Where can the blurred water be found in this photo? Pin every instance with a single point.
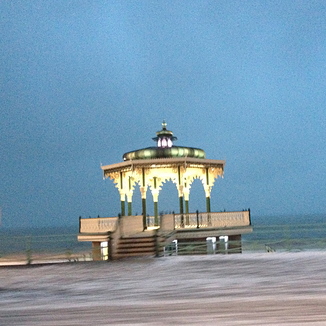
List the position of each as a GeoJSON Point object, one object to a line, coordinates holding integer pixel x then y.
{"type": "Point", "coordinates": [255, 289]}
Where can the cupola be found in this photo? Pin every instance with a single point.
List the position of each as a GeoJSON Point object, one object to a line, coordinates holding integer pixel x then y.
{"type": "Point", "coordinates": [164, 138]}
{"type": "Point", "coordinates": [164, 149]}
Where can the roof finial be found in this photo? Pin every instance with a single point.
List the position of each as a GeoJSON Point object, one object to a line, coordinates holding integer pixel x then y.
{"type": "Point", "coordinates": [164, 124]}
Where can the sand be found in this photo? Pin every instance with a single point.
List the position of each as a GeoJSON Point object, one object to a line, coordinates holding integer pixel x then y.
{"type": "Point", "coordinates": [242, 289]}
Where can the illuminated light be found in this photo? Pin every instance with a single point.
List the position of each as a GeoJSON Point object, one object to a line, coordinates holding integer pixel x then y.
{"type": "Point", "coordinates": [104, 250]}
{"type": "Point", "coordinates": [211, 241]}
{"type": "Point", "coordinates": [147, 153]}
{"type": "Point", "coordinates": [225, 239]}
{"type": "Point", "coordinates": [152, 228]}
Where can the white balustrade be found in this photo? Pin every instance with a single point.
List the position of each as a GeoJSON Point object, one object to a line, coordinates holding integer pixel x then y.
{"type": "Point", "coordinates": [98, 225]}
{"type": "Point", "coordinates": [216, 220]}
{"type": "Point", "coordinates": [185, 221]}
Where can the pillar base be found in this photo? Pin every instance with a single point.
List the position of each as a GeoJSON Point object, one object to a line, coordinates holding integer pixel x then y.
{"type": "Point", "coordinates": [143, 201]}
{"type": "Point", "coordinates": [123, 209]}
{"type": "Point", "coordinates": [129, 208]}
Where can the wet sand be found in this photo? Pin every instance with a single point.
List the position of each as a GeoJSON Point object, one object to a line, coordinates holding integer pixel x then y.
{"type": "Point", "coordinates": [247, 289]}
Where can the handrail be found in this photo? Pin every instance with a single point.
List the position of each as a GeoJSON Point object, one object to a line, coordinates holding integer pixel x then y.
{"type": "Point", "coordinates": [214, 219]}
{"type": "Point", "coordinates": [98, 224]}
{"type": "Point", "coordinates": [162, 240]}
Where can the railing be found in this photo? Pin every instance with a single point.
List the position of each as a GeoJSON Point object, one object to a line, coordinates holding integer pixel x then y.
{"type": "Point", "coordinates": [202, 248]}
{"type": "Point", "coordinates": [178, 221]}
{"type": "Point", "coordinates": [150, 221]}
{"type": "Point", "coordinates": [165, 244]}
{"type": "Point", "coordinates": [98, 224]}
{"type": "Point", "coordinates": [35, 249]}
{"type": "Point", "coordinates": [212, 220]}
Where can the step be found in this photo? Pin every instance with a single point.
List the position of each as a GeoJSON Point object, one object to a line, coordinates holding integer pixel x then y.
{"type": "Point", "coordinates": [136, 247]}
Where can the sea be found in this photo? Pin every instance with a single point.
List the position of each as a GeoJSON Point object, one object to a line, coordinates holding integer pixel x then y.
{"type": "Point", "coordinates": [47, 240]}
{"type": "Point", "coordinates": [287, 233]}
{"type": "Point", "coordinates": [270, 233]}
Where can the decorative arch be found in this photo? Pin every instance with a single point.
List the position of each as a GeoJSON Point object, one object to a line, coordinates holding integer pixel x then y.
{"type": "Point", "coordinates": [152, 174]}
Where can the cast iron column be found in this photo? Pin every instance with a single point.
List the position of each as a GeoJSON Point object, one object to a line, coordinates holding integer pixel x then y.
{"type": "Point", "coordinates": [143, 200]}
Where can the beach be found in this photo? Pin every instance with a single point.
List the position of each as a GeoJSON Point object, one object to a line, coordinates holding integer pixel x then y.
{"type": "Point", "coordinates": [240, 289]}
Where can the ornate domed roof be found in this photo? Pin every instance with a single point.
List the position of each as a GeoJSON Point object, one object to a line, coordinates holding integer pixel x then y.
{"type": "Point", "coordinates": [164, 149]}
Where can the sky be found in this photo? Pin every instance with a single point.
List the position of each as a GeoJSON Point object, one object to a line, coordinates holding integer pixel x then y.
{"type": "Point", "coordinates": [83, 82]}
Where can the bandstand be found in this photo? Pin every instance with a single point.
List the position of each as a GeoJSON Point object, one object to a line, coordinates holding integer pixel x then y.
{"type": "Point", "coordinates": [149, 168]}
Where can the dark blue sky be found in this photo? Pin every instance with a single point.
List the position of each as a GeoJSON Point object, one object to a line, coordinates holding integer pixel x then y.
{"type": "Point", "coordinates": [82, 82]}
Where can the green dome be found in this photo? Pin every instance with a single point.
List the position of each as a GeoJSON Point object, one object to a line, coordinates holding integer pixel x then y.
{"type": "Point", "coordinates": [167, 152]}
{"type": "Point", "coordinates": [164, 149]}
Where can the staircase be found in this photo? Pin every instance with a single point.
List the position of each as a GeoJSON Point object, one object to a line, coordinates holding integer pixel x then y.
{"type": "Point", "coordinates": [136, 246]}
